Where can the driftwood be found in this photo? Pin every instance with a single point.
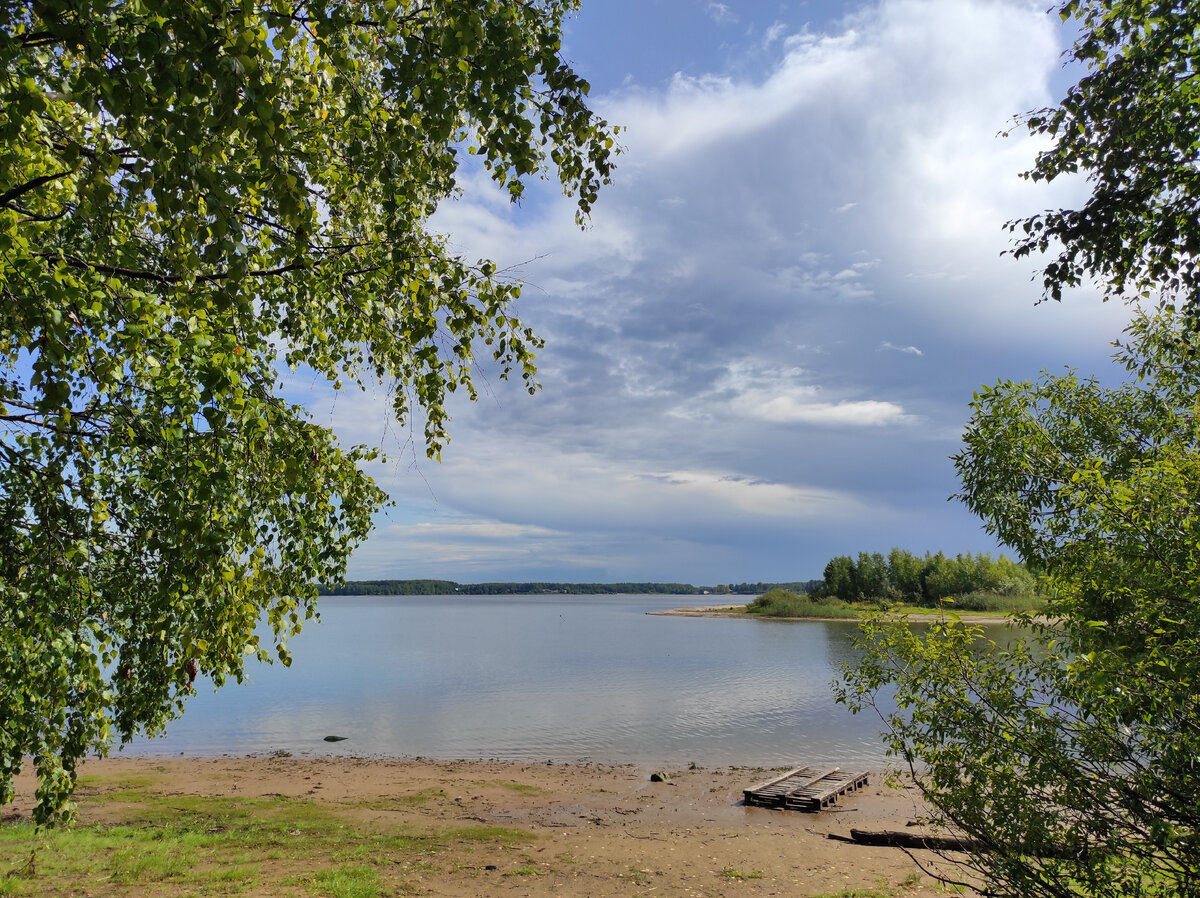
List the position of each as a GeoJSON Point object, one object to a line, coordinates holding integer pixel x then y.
{"type": "Point", "coordinates": [898, 839]}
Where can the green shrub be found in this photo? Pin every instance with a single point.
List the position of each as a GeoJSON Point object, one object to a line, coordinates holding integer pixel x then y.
{"type": "Point", "coordinates": [784, 603]}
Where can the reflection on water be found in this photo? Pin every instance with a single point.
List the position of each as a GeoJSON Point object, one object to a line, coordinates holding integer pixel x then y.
{"type": "Point", "coordinates": [544, 678]}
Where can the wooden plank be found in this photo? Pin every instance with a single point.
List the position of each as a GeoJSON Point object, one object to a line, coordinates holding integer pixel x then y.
{"type": "Point", "coordinates": [850, 783]}
{"type": "Point", "coordinates": [897, 839]}
{"type": "Point", "coordinates": [771, 792]}
{"type": "Point", "coordinates": [820, 795]}
{"type": "Point", "coordinates": [812, 780]}
{"type": "Point", "coordinates": [778, 779]}
{"type": "Point", "coordinates": [805, 789]}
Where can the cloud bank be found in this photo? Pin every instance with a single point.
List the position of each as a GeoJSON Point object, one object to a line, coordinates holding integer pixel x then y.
{"type": "Point", "coordinates": [761, 352]}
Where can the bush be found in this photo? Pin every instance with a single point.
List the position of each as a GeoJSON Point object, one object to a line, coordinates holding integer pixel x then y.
{"type": "Point", "coordinates": [784, 603]}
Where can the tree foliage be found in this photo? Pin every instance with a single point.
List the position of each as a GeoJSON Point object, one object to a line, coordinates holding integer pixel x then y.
{"type": "Point", "coordinates": [1074, 754]}
{"type": "Point", "coordinates": [1132, 124]}
{"type": "Point", "coordinates": [194, 197]}
{"type": "Point", "coordinates": [967, 579]}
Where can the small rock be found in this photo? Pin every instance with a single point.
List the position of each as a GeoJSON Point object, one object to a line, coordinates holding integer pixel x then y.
{"type": "Point", "coordinates": [336, 738]}
{"type": "Point", "coordinates": [659, 777]}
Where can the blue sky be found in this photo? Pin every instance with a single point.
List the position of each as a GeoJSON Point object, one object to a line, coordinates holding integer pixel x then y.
{"type": "Point", "coordinates": [761, 352]}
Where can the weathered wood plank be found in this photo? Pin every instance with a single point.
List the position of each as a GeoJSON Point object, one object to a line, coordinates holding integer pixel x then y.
{"type": "Point", "coordinates": [804, 789]}
{"type": "Point", "coordinates": [897, 839]}
{"type": "Point", "coordinates": [778, 779]}
{"type": "Point", "coordinates": [812, 780]}
{"type": "Point", "coordinates": [849, 783]}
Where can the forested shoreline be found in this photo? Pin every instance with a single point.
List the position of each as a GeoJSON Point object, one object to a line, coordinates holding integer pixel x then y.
{"type": "Point", "coordinates": [900, 576]}
{"type": "Point", "coordinates": [972, 581]}
{"type": "Point", "coordinates": [449, 587]}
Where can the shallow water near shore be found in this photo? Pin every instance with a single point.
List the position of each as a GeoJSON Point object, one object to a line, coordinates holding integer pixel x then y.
{"type": "Point", "coordinates": [560, 678]}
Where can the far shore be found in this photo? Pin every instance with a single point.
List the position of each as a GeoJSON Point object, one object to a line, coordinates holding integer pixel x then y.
{"type": "Point", "coordinates": [740, 611]}
{"type": "Point", "coordinates": [499, 828]}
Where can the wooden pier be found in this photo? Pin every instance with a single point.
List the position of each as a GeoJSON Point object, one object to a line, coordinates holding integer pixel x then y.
{"type": "Point", "coordinates": [805, 789]}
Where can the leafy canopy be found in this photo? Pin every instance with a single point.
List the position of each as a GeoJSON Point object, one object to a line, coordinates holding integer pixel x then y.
{"type": "Point", "coordinates": [970, 581]}
{"type": "Point", "coordinates": [193, 196]}
{"type": "Point", "coordinates": [1073, 754]}
{"type": "Point", "coordinates": [1132, 125]}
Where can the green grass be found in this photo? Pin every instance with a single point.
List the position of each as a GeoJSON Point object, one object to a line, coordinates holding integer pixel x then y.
{"type": "Point", "coordinates": [978, 603]}
{"type": "Point", "coordinates": [992, 603]}
{"type": "Point", "coordinates": [734, 873]}
{"type": "Point", "coordinates": [186, 845]}
{"type": "Point", "coordinates": [493, 835]}
{"type": "Point", "coordinates": [528, 870]}
{"type": "Point", "coordinates": [417, 799]}
{"type": "Point", "coordinates": [793, 606]}
{"type": "Point", "coordinates": [358, 881]}
{"type": "Point", "coordinates": [779, 603]}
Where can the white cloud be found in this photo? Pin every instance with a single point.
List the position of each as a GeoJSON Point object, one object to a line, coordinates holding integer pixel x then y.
{"type": "Point", "coordinates": [796, 409]}
{"type": "Point", "coordinates": [774, 33]}
{"type": "Point", "coordinates": [574, 490]}
{"type": "Point", "coordinates": [469, 531]}
{"type": "Point", "coordinates": [720, 363]}
{"type": "Point", "coordinates": [731, 493]}
{"type": "Point", "coordinates": [721, 13]}
{"type": "Point", "coordinates": [892, 347]}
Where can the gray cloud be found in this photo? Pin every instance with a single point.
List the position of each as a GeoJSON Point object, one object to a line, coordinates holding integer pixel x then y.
{"type": "Point", "coordinates": [725, 394]}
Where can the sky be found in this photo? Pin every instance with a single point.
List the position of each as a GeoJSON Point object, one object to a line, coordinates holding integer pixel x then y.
{"type": "Point", "coordinates": [761, 351]}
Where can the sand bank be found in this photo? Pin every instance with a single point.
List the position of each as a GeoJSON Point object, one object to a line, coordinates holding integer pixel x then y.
{"type": "Point", "coordinates": [919, 617]}
{"type": "Point", "coordinates": [596, 830]}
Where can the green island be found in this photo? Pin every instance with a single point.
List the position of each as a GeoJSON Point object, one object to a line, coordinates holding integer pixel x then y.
{"type": "Point", "coordinates": [967, 584]}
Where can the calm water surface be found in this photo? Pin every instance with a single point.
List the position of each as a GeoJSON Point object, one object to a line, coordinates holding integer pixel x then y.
{"type": "Point", "coordinates": [562, 678]}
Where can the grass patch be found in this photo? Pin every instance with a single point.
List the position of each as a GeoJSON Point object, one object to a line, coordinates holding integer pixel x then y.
{"type": "Point", "coordinates": [346, 882]}
{"type": "Point", "coordinates": [783, 603]}
{"type": "Point", "coordinates": [93, 781]}
{"type": "Point", "coordinates": [124, 787]}
{"type": "Point", "coordinates": [417, 799]}
{"type": "Point", "coordinates": [734, 873]}
{"type": "Point", "coordinates": [994, 603]}
{"type": "Point", "coordinates": [186, 845]}
{"type": "Point", "coordinates": [986, 604]}
{"type": "Point", "coordinates": [780, 603]}
{"type": "Point", "coordinates": [519, 788]}
{"type": "Point", "coordinates": [528, 870]}
{"type": "Point", "coordinates": [495, 835]}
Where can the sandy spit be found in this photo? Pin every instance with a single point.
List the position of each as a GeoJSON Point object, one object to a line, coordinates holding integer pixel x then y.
{"type": "Point", "coordinates": [736, 611]}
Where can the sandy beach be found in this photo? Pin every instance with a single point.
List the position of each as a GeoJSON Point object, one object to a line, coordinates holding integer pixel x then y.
{"type": "Point", "coordinates": [593, 830]}
{"type": "Point", "coordinates": [918, 617]}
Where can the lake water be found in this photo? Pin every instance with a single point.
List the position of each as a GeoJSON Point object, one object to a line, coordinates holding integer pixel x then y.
{"type": "Point", "coordinates": [561, 678]}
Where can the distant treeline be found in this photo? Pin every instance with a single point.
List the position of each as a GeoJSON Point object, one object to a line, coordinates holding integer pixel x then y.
{"type": "Point", "coordinates": [901, 576]}
{"type": "Point", "coordinates": [449, 587]}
